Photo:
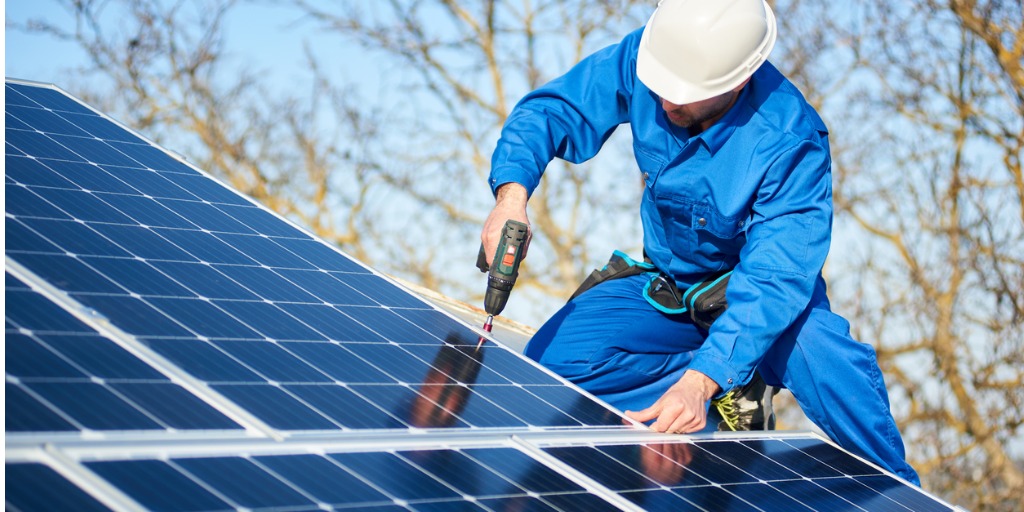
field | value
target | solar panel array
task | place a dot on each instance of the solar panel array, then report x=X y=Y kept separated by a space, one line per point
x=172 y=345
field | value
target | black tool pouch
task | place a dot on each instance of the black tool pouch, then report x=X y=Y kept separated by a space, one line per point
x=620 y=265
x=706 y=299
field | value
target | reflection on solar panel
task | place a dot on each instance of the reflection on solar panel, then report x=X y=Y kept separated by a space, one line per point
x=172 y=345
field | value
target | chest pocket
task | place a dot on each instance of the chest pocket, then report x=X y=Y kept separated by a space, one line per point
x=650 y=164
x=719 y=238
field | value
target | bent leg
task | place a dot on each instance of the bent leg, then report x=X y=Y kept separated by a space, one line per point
x=840 y=387
x=612 y=343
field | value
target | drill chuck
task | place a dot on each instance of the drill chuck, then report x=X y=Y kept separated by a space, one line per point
x=498 y=290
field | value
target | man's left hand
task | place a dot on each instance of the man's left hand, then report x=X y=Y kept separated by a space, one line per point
x=683 y=408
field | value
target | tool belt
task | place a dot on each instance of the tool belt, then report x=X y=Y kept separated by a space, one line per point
x=704 y=301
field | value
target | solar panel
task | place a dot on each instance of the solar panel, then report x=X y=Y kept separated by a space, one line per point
x=783 y=473
x=188 y=270
x=63 y=376
x=172 y=345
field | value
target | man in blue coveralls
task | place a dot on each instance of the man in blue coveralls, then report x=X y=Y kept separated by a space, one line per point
x=737 y=175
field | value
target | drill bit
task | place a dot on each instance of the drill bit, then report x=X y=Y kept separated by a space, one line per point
x=488 y=325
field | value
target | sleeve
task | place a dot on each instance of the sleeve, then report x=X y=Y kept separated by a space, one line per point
x=787 y=241
x=568 y=118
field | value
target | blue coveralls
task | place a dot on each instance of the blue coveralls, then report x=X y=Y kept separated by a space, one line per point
x=754 y=193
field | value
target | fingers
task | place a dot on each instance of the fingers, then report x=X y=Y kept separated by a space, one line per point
x=673 y=421
x=529 y=236
x=510 y=205
x=645 y=415
x=676 y=412
x=682 y=421
x=670 y=420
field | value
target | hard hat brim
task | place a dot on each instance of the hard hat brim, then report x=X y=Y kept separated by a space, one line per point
x=657 y=77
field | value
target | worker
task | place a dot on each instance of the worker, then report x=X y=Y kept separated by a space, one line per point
x=736 y=171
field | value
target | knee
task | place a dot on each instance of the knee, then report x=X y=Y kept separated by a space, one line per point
x=821 y=342
x=540 y=343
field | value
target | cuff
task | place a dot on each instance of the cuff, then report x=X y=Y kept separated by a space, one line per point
x=511 y=174
x=718 y=370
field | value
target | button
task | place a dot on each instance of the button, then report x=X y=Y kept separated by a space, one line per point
x=728 y=381
x=702 y=221
x=646 y=176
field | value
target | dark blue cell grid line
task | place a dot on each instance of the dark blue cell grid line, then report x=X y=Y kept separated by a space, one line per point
x=382 y=291
x=738 y=475
x=345 y=407
x=150 y=183
x=23 y=202
x=156 y=485
x=346 y=385
x=25 y=309
x=332 y=323
x=152 y=157
x=95 y=151
x=28 y=171
x=25 y=412
x=88 y=177
x=40 y=146
x=11 y=150
x=245 y=483
x=14 y=123
x=410 y=407
x=431 y=479
x=95 y=138
x=277 y=407
x=63 y=375
x=390 y=325
x=340 y=364
x=43 y=97
x=35 y=487
x=44 y=121
x=70 y=274
x=99 y=127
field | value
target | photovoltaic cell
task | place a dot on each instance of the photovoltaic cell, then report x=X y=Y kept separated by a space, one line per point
x=32 y=487
x=429 y=479
x=63 y=375
x=769 y=474
x=159 y=486
x=27 y=413
x=172 y=345
x=169 y=254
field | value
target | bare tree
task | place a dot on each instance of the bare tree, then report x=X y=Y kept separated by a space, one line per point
x=398 y=180
x=460 y=66
x=924 y=100
x=161 y=69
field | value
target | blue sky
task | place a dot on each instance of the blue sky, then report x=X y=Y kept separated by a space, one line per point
x=265 y=36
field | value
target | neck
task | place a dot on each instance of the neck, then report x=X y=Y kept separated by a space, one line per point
x=704 y=125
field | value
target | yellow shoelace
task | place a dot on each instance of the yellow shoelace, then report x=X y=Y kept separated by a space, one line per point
x=727 y=409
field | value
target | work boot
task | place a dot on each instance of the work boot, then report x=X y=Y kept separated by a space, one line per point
x=747 y=407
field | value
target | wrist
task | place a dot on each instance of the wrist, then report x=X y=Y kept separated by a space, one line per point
x=694 y=379
x=512 y=193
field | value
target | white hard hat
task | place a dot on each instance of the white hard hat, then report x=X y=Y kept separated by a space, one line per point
x=692 y=50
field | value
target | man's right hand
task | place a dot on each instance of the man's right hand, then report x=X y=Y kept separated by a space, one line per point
x=510 y=203
x=683 y=408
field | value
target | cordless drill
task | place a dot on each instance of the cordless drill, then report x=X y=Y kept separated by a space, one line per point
x=502 y=273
